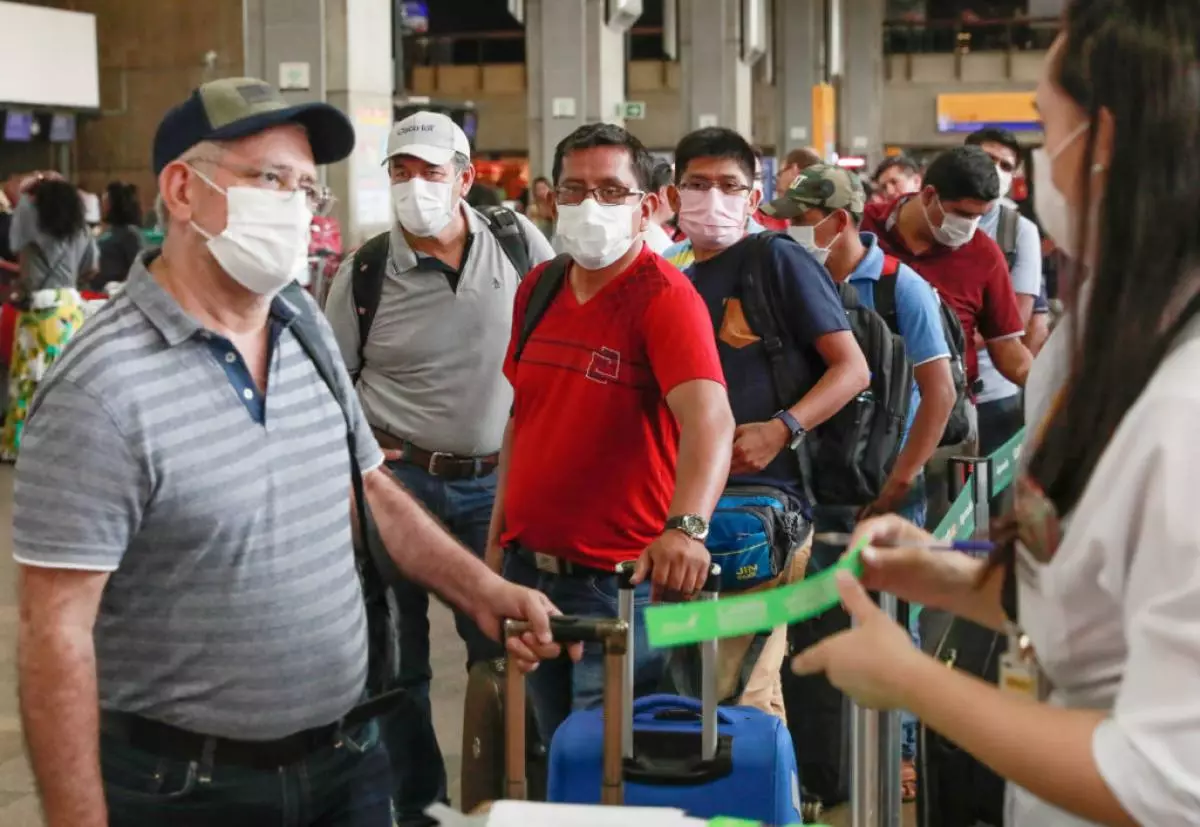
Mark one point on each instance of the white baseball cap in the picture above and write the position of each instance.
(430, 136)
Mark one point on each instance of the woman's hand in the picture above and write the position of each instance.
(913, 573)
(871, 662)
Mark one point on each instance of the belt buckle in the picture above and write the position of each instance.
(434, 456)
(546, 562)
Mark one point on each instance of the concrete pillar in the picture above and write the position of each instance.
(861, 86)
(575, 72)
(717, 82)
(799, 66)
(339, 51)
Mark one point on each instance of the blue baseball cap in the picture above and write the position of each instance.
(231, 108)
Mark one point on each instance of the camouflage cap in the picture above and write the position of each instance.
(821, 186)
(231, 108)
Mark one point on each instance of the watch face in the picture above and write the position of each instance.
(694, 525)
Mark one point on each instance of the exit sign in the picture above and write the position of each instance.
(632, 110)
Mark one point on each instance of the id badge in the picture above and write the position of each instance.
(1019, 675)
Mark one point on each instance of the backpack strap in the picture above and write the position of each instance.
(369, 268)
(510, 232)
(1006, 233)
(544, 290)
(762, 304)
(307, 331)
(759, 304)
(885, 292)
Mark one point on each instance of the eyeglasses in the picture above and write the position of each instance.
(701, 185)
(320, 199)
(609, 196)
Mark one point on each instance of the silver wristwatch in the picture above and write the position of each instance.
(693, 525)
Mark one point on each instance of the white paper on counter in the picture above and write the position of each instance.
(537, 814)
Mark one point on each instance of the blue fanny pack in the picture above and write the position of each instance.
(753, 533)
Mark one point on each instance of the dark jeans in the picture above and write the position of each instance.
(999, 421)
(558, 687)
(465, 508)
(346, 786)
(914, 510)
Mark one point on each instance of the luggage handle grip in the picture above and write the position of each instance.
(666, 707)
(575, 629)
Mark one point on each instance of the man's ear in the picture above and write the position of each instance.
(756, 197)
(468, 180)
(177, 194)
(673, 198)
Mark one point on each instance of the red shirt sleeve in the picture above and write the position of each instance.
(1001, 317)
(680, 342)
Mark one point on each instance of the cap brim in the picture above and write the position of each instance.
(436, 155)
(330, 132)
(783, 208)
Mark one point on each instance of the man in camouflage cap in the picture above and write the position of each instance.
(821, 186)
(825, 206)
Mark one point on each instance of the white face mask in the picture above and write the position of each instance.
(713, 220)
(1049, 203)
(806, 237)
(264, 245)
(956, 230)
(595, 235)
(422, 207)
(1006, 181)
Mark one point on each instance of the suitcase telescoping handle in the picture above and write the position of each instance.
(708, 664)
(614, 636)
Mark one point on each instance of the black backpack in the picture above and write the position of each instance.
(376, 571)
(846, 460)
(370, 264)
(958, 427)
(543, 293)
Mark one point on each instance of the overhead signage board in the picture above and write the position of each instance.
(968, 112)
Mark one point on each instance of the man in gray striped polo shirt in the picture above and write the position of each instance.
(429, 376)
(192, 624)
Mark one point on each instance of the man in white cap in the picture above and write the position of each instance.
(422, 314)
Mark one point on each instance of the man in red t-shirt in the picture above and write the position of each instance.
(934, 232)
(620, 440)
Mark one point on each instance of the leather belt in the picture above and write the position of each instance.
(168, 741)
(551, 564)
(438, 463)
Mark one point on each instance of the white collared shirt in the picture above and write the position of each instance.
(1115, 615)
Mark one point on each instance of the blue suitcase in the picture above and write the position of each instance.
(680, 752)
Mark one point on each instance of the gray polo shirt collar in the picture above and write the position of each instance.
(403, 257)
(165, 314)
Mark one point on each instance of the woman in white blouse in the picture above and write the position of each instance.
(1107, 564)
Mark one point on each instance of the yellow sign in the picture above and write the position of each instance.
(967, 112)
(824, 119)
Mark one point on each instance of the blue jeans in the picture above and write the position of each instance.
(465, 508)
(346, 786)
(558, 687)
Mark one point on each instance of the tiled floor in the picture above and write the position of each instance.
(18, 804)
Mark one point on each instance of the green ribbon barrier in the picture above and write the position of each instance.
(1005, 462)
(678, 624)
(960, 519)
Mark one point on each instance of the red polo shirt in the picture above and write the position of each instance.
(973, 279)
(591, 468)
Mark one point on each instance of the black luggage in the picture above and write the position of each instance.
(955, 790)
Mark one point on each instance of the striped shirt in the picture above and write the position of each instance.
(233, 607)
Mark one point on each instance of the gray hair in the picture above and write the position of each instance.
(461, 162)
(161, 215)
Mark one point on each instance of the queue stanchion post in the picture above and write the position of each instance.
(891, 794)
(982, 480)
